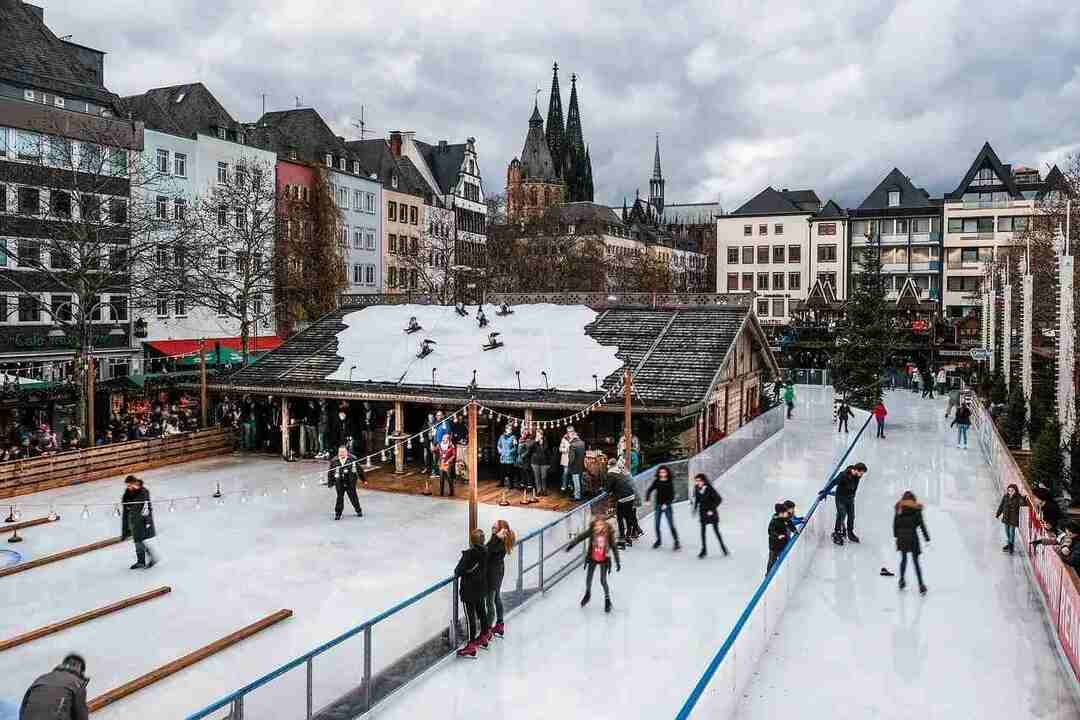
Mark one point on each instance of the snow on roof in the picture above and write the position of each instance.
(536, 338)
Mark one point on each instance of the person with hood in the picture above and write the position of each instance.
(447, 464)
(706, 502)
(906, 522)
(664, 487)
(843, 412)
(880, 413)
(622, 491)
(1009, 512)
(845, 485)
(58, 695)
(507, 447)
(779, 534)
(789, 398)
(473, 584)
(598, 553)
(498, 547)
(576, 462)
(962, 421)
(342, 475)
(137, 521)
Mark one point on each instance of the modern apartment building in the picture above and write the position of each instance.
(828, 251)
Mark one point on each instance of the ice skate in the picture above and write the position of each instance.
(838, 539)
(677, 545)
(499, 630)
(853, 537)
(469, 651)
(585, 600)
(138, 566)
(655, 545)
(903, 584)
(702, 553)
(484, 639)
(922, 589)
(607, 605)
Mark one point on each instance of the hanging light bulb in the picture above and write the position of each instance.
(85, 512)
(284, 489)
(384, 456)
(53, 517)
(266, 492)
(303, 483)
(172, 506)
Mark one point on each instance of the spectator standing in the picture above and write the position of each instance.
(906, 522)
(962, 421)
(879, 417)
(706, 502)
(599, 552)
(564, 461)
(137, 521)
(1009, 513)
(473, 584)
(526, 445)
(541, 462)
(498, 547)
(507, 447)
(447, 464)
(58, 695)
(576, 463)
(664, 487)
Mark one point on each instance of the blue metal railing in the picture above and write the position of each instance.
(747, 612)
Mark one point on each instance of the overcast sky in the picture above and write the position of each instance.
(744, 94)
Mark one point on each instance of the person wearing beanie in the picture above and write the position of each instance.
(779, 534)
(706, 503)
(58, 695)
(622, 492)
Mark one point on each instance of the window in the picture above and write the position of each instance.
(222, 260)
(179, 208)
(391, 211)
(391, 244)
(341, 163)
(1013, 223)
(732, 282)
(241, 219)
(733, 256)
(329, 160)
(826, 253)
(894, 198)
(985, 176)
(778, 308)
(412, 215)
(90, 208)
(118, 258)
(763, 308)
(414, 247)
(343, 198)
(826, 228)
(358, 239)
(180, 165)
(240, 175)
(369, 274)
(778, 254)
(222, 216)
(118, 211)
(358, 274)
(358, 200)
(29, 309)
(985, 225)
(413, 278)
(161, 257)
(4, 309)
(369, 203)
(3, 257)
(222, 172)
(778, 228)
(794, 281)
(59, 204)
(778, 281)
(794, 253)
(391, 276)
(763, 281)
(920, 226)
(29, 146)
(180, 306)
(963, 284)
(748, 256)
(29, 201)
(61, 308)
(240, 262)
(118, 159)
(118, 308)
(163, 161)
(221, 133)
(763, 255)
(763, 229)
(161, 306)
(29, 253)
(162, 207)
(343, 236)
(3, 188)
(956, 225)
(901, 227)
(747, 229)
(886, 226)
(747, 281)
(369, 240)
(356, 171)
(827, 277)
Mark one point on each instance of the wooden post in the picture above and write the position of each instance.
(474, 469)
(285, 428)
(202, 365)
(627, 431)
(91, 441)
(399, 433)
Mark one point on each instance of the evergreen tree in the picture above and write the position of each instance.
(1042, 400)
(864, 336)
(999, 393)
(1047, 468)
(1012, 426)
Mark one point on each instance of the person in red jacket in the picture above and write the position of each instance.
(879, 415)
(447, 463)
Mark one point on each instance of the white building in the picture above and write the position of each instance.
(359, 197)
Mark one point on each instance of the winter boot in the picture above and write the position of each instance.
(902, 584)
(484, 639)
(585, 600)
(469, 651)
(607, 605)
(138, 566)
(702, 553)
(852, 537)
(922, 589)
(677, 545)
(838, 539)
(656, 545)
(1007, 548)
(499, 630)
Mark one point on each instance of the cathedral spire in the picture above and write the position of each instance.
(656, 184)
(656, 173)
(555, 131)
(573, 120)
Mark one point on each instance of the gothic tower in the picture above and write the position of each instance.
(656, 183)
(532, 184)
(576, 165)
(555, 131)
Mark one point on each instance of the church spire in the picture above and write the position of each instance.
(554, 133)
(656, 173)
(573, 120)
(656, 184)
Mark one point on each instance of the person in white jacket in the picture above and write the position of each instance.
(564, 460)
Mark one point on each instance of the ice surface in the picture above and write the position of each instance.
(852, 646)
(229, 566)
(537, 338)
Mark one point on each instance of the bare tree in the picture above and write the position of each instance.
(429, 264)
(542, 254)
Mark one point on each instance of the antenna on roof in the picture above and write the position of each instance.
(264, 103)
(297, 101)
(362, 125)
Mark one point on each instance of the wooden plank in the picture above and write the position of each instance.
(82, 618)
(186, 661)
(28, 524)
(57, 557)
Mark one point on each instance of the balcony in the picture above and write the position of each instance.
(928, 266)
(977, 265)
(986, 205)
(979, 238)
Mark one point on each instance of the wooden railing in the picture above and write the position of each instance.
(620, 299)
(20, 477)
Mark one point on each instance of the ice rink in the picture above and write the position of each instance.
(852, 646)
(227, 566)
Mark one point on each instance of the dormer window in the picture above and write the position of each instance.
(221, 133)
(356, 167)
(393, 180)
(240, 138)
(329, 160)
(341, 163)
(894, 198)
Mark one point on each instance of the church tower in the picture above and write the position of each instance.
(656, 183)
(577, 170)
(532, 184)
(555, 131)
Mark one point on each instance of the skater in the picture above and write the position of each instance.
(622, 491)
(498, 547)
(1009, 512)
(541, 462)
(962, 421)
(472, 569)
(843, 412)
(342, 475)
(779, 534)
(598, 553)
(137, 521)
(58, 695)
(940, 379)
(507, 447)
(447, 464)
(879, 417)
(846, 484)
(665, 495)
(706, 502)
(794, 521)
(954, 401)
(906, 522)
(789, 398)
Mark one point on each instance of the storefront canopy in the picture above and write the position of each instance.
(219, 351)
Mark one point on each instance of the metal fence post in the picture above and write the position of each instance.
(521, 567)
(310, 679)
(454, 614)
(540, 537)
(237, 711)
(367, 668)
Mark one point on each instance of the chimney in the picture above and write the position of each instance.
(395, 144)
(442, 146)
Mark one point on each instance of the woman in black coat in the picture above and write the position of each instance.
(472, 569)
(706, 502)
(906, 522)
(1009, 512)
(137, 521)
(498, 547)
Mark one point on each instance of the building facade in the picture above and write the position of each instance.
(532, 183)
(359, 198)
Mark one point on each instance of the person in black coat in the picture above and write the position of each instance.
(622, 492)
(473, 588)
(779, 534)
(846, 484)
(706, 502)
(137, 521)
(598, 554)
(1009, 512)
(342, 475)
(58, 695)
(664, 487)
(906, 522)
(843, 412)
(498, 547)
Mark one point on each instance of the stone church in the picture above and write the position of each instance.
(554, 166)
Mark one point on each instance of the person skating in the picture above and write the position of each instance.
(622, 491)
(58, 695)
(779, 534)
(845, 485)
(907, 520)
(498, 547)
(1009, 512)
(789, 398)
(599, 552)
(342, 475)
(664, 487)
(507, 447)
(137, 521)
(880, 413)
(447, 464)
(472, 569)
(843, 412)
(795, 522)
(962, 421)
(706, 502)
(954, 401)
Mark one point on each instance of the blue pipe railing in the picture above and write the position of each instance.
(729, 641)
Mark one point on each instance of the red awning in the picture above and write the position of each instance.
(182, 348)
